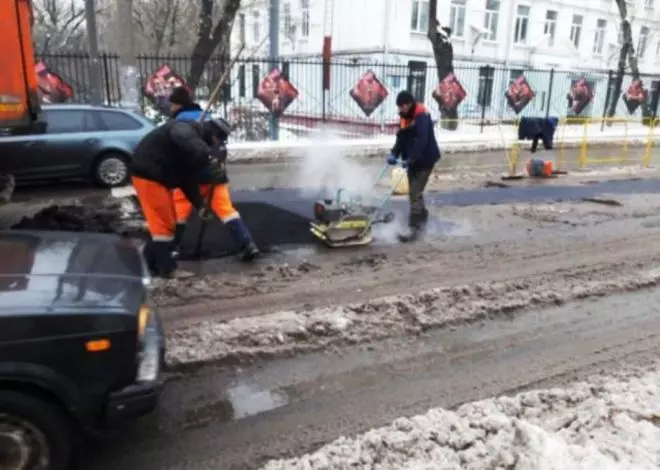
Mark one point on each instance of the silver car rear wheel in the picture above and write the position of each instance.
(111, 170)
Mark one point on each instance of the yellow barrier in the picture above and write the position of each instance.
(579, 143)
(621, 147)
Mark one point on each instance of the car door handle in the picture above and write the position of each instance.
(91, 141)
(33, 144)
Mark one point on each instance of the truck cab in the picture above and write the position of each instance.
(80, 346)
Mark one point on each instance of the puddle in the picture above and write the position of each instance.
(238, 401)
(247, 400)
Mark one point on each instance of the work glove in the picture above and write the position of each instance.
(217, 168)
(392, 159)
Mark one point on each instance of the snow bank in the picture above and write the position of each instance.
(469, 139)
(607, 424)
(287, 332)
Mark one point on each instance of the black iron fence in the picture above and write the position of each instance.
(356, 99)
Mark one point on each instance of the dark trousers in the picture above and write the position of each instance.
(417, 180)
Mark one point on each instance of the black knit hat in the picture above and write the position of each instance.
(404, 97)
(180, 95)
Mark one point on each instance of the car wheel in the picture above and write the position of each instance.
(34, 434)
(111, 170)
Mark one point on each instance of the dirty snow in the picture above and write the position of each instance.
(604, 424)
(286, 332)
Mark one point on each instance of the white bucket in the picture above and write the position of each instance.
(399, 178)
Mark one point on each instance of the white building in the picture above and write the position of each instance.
(530, 37)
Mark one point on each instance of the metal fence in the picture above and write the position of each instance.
(332, 107)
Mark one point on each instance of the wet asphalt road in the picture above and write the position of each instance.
(225, 419)
(219, 419)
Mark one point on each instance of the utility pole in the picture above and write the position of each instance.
(92, 35)
(274, 40)
(128, 72)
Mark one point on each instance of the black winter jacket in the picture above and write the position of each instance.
(173, 155)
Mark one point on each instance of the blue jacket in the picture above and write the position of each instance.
(416, 142)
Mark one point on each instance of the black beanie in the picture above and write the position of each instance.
(404, 97)
(180, 96)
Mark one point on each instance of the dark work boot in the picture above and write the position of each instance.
(178, 237)
(159, 258)
(415, 222)
(242, 238)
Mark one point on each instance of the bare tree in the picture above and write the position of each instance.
(212, 38)
(163, 27)
(626, 54)
(58, 26)
(443, 53)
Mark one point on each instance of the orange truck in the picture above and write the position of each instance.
(19, 100)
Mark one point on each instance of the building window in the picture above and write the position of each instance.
(304, 18)
(241, 27)
(550, 26)
(287, 21)
(457, 18)
(256, 27)
(576, 30)
(522, 23)
(491, 19)
(486, 76)
(599, 37)
(515, 73)
(642, 43)
(419, 20)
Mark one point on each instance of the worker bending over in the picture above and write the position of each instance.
(418, 150)
(213, 187)
(171, 156)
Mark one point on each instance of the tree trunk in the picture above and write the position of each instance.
(212, 39)
(627, 52)
(443, 53)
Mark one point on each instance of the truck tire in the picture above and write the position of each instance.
(34, 434)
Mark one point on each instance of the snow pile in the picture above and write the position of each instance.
(287, 332)
(605, 425)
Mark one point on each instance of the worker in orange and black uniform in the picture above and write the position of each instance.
(183, 108)
(416, 148)
(171, 156)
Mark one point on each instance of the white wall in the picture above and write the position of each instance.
(377, 32)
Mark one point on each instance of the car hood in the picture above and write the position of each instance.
(60, 271)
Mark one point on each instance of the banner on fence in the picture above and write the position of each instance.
(276, 92)
(369, 93)
(449, 93)
(51, 87)
(519, 94)
(580, 95)
(635, 96)
(159, 85)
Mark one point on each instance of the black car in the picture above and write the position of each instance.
(80, 348)
(76, 141)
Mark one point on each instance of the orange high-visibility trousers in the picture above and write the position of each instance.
(221, 204)
(158, 208)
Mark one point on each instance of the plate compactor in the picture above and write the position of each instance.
(341, 223)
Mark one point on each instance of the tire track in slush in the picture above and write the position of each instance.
(435, 268)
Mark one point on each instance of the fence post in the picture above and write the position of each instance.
(608, 96)
(548, 100)
(106, 79)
